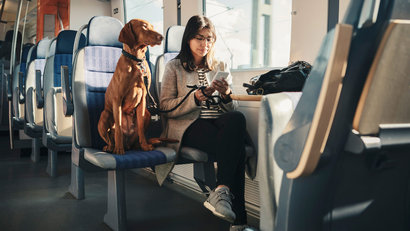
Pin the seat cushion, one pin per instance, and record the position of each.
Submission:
(193, 154)
(131, 159)
(197, 155)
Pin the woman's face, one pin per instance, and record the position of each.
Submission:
(201, 44)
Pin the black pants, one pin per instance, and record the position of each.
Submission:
(224, 140)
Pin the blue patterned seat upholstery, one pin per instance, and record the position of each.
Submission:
(93, 69)
(34, 115)
(21, 67)
(57, 134)
(29, 54)
(98, 61)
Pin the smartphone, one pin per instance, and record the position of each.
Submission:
(221, 75)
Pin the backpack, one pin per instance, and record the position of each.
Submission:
(290, 78)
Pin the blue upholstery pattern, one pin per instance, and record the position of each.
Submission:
(99, 63)
(64, 53)
(139, 159)
(60, 60)
(65, 42)
(32, 56)
(23, 64)
(26, 49)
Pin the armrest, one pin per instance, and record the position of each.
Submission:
(390, 136)
(21, 91)
(39, 90)
(68, 106)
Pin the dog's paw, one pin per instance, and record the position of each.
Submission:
(154, 141)
(119, 151)
(107, 148)
(147, 147)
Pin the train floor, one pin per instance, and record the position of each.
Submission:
(32, 200)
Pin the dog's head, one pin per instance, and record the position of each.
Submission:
(139, 33)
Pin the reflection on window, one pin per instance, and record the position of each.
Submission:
(251, 33)
(152, 11)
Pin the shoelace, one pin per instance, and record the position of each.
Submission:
(225, 195)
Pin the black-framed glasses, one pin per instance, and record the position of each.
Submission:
(201, 38)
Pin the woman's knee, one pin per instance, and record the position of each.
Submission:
(237, 119)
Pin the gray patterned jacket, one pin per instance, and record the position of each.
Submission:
(173, 90)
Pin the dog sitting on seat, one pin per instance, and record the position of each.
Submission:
(125, 117)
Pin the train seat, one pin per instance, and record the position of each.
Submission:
(204, 170)
(93, 68)
(377, 122)
(279, 113)
(5, 52)
(34, 116)
(13, 81)
(57, 130)
(18, 93)
(340, 176)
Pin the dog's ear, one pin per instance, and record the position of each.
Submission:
(127, 35)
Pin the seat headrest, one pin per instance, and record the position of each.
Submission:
(173, 39)
(52, 48)
(104, 31)
(32, 54)
(26, 49)
(65, 42)
(42, 48)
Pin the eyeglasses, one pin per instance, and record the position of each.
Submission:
(201, 38)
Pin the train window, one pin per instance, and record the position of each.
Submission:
(252, 34)
(152, 11)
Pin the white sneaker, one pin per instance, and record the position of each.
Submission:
(219, 203)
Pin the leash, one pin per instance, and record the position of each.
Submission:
(153, 106)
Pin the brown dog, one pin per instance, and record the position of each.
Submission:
(125, 118)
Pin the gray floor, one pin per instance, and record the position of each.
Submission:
(31, 200)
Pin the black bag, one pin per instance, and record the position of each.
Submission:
(290, 78)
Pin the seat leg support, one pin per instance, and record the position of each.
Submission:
(35, 150)
(52, 163)
(204, 175)
(76, 187)
(116, 217)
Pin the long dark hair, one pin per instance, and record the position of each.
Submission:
(194, 25)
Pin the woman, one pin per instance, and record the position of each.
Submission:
(214, 128)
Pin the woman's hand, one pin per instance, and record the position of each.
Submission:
(221, 86)
(200, 96)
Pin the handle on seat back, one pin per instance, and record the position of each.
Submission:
(68, 106)
(21, 91)
(39, 90)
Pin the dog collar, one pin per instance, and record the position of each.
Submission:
(130, 56)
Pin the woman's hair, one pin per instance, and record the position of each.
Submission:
(192, 28)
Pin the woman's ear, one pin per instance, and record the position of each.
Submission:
(127, 35)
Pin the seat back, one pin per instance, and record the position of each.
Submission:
(93, 68)
(346, 191)
(56, 123)
(19, 80)
(15, 78)
(386, 93)
(64, 54)
(172, 47)
(30, 84)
